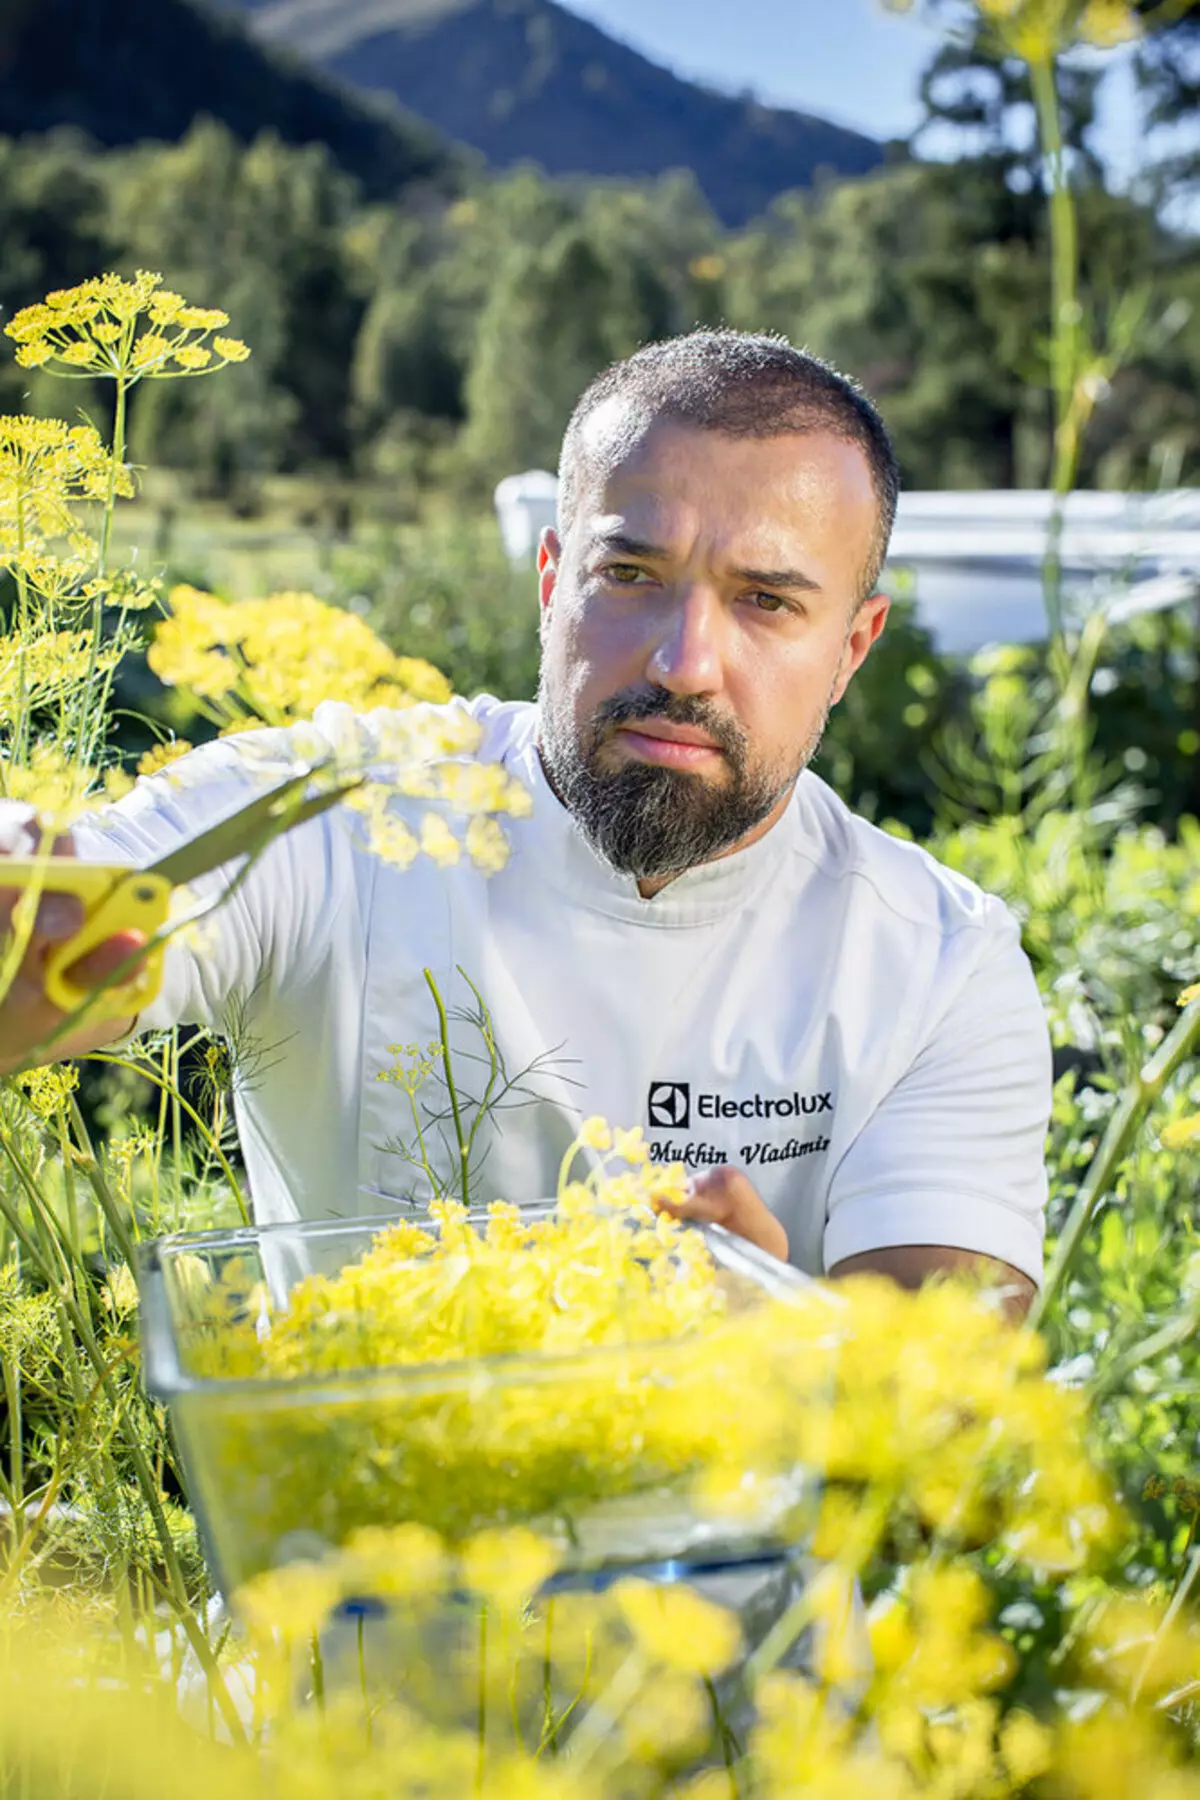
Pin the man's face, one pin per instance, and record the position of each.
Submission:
(697, 624)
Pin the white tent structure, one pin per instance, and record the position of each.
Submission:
(972, 562)
(975, 559)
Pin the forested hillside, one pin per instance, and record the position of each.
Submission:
(127, 70)
(529, 80)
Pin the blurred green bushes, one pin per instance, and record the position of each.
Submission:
(438, 344)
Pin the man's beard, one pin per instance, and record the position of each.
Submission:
(646, 820)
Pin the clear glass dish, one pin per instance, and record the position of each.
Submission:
(286, 1469)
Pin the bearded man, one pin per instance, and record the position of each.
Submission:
(841, 1039)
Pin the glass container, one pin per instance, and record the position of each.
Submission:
(604, 1450)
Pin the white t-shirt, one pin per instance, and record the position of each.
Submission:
(852, 1023)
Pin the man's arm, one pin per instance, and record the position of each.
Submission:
(727, 1197)
(911, 1264)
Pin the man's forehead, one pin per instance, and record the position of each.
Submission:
(656, 478)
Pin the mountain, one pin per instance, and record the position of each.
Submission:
(124, 70)
(526, 79)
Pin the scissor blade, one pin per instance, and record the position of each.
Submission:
(247, 829)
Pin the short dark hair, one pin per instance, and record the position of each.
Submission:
(741, 384)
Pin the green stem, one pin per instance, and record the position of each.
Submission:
(169, 1092)
(1122, 1128)
(1177, 1330)
(481, 1708)
(99, 1186)
(1064, 327)
(464, 1148)
(110, 498)
(16, 1426)
(116, 462)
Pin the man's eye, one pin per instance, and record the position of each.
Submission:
(624, 574)
(770, 603)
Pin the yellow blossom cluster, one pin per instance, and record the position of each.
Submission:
(279, 657)
(129, 330)
(480, 1677)
(46, 1090)
(276, 660)
(47, 467)
(578, 1278)
(950, 1414)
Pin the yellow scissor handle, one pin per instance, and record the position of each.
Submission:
(116, 898)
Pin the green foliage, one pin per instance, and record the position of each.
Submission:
(426, 343)
(447, 592)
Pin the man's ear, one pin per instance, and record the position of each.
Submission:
(866, 625)
(549, 552)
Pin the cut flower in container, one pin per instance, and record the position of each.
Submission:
(631, 1388)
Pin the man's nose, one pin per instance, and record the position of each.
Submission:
(686, 657)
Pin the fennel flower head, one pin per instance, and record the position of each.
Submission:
(128, 330)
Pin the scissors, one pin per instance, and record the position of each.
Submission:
(120, 898)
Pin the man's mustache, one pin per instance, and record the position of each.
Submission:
(637, 705)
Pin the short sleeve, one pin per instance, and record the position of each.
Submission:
(271, 925)
(955, 1153)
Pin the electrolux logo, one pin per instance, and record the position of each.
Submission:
(670, 1104)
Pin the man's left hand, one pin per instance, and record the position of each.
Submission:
(725, 1196)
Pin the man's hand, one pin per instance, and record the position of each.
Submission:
(725, 1196)
(27, 1017)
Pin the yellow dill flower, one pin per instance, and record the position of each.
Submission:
(35, 354)
(507, 1567)
(120, 1292)
(678, 1628)
(595, 1133)
(293, 651)
(151, 351)
(293, 1602)
(1109, 23)
(164, 307)
(162, 756)
(128, 330)
(201, 318)
(47, 1090)
(1180, 1133)
(1026, 1747)
(411, 1066)
(397, 1562)
(1189, 994)
(486, 844)
(46, 466)
(35, 671)
(117, 783)
(189, 645)
(631, 1145)
(438, 842)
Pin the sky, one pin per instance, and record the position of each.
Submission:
(850, 61)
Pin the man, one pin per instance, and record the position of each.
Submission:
(840, 1038)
